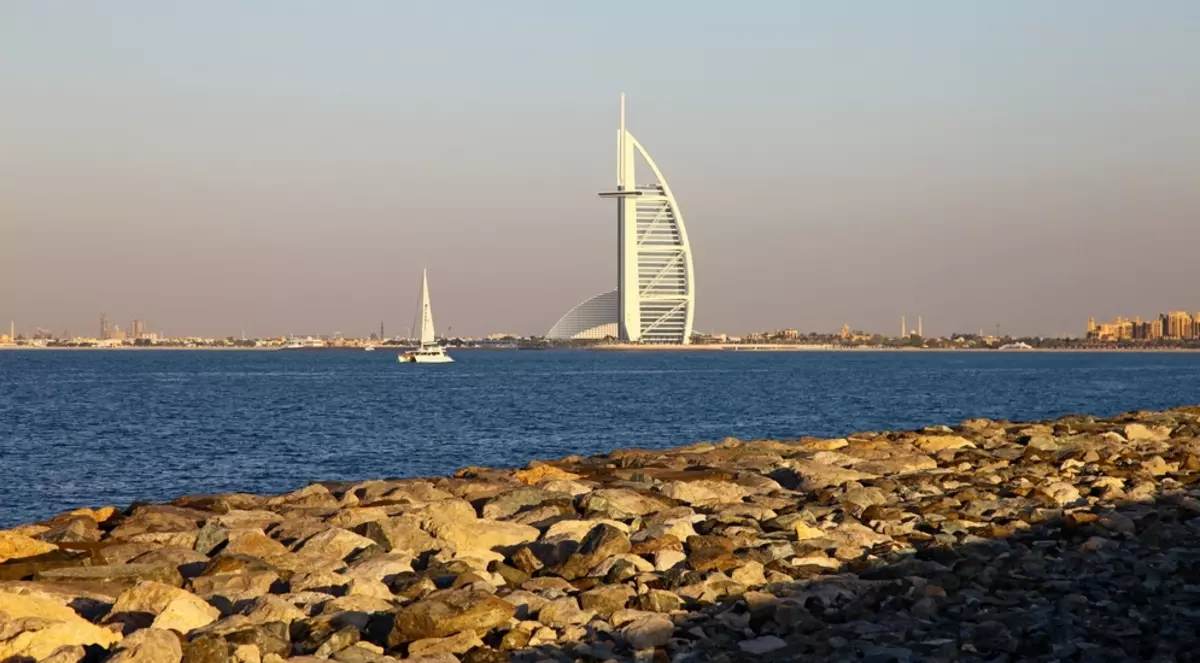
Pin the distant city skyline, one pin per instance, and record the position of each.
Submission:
(291, 167)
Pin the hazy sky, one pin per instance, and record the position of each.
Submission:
(289, 167)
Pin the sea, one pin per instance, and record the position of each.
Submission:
(91, 428)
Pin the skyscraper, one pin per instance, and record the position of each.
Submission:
(656, 291)
(104, 331)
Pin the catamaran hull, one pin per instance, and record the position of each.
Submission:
(409, 358)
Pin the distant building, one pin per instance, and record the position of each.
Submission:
(656, 291)
(104, 331)
(594, 319)
(1175, 325)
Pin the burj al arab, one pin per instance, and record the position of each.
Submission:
(655, 298)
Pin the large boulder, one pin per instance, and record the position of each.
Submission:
(150, 603)
(812, 476)
(647, 632)
(447, 613)
(514, 501)
(400, 534)
(542, 473)
(122, 574)
(482, 538)
(620, 503)
(35, 626)
(149, 645)
(335, 543)
(704, 492)
(602, 542)
(18, 546)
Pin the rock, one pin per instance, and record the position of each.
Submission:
(563, 612)
(805, 532)
(123, 574)
(268, 638)
(455, 644)
(247, 654)
(434, 658)
(659, 600)
(620, 503)
(668, 559)
(678, 529)
(210, 538)
(751, 574)
(647, 632)
(381, 567)
(149, 645)
(543, 472)
(402, 534)
(35, 626)
(335, 543)
(1137, 432)
(1061, 493)
(810, 476)
(271, 608)
(485, 655)
(575, 530)
(254, 543)
(932, 444)
(235, 586)
(66, 654)
(762, 645)
(483, 538)
(337, 641)
(512, 502)
(163, 607)
(704, 492)
(448, 613)
(602, 542)
(188, 562)
(606, 599)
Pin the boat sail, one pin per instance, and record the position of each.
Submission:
(429, 351)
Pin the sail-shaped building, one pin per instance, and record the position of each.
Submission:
(655, 299)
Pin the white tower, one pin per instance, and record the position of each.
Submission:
(655, 283)
(919, 331)
(903, 328)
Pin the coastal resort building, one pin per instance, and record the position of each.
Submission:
(655, 299)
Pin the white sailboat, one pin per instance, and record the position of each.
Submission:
(429, 352)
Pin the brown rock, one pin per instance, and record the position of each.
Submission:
(149, 645)
(335, 543)
(455, 644)
(18, 546)
(208, 649)
(543, 472)
(123, 574)
(606, 599)
(150, 603)
(620, 503)
(602, 542)
(448, 613)
(35, 626)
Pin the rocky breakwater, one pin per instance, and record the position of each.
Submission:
(1073, 539)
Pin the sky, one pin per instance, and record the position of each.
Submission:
(290, 166)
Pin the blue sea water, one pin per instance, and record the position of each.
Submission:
(81, 428)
